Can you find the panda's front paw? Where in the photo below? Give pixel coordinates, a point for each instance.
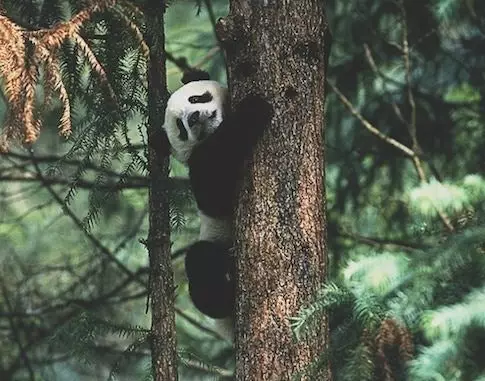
(255, 107)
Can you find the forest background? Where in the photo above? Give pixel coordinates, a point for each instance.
(405, 180)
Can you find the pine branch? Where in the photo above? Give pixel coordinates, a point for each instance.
(41, 47)
(80, 183)
(95, 64)
(79, 224)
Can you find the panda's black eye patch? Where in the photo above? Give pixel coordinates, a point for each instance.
(204, 98)
(193, 118)
(182, 131)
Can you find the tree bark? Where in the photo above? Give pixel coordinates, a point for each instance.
(279, 49)
(163, 334)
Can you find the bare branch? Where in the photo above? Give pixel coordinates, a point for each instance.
(412, 123)
(213, 20)
(382, 242)
(393, 142)
(79, 183)
(378, 72)
(407, 66)
(369, 126)
(182, 64)
(200, 326)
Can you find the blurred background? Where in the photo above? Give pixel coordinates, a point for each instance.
(406, 233)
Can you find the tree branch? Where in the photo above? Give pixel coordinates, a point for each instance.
(393, 142)
(80, 225)
(376, 241)
(369, 126)
(79, 183)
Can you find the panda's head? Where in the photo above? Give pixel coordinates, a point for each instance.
(193, 112)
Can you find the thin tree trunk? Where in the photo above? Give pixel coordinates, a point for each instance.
(279, 48)
(163, 335)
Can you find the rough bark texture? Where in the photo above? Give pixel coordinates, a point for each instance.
(279, 49)
(163, 335)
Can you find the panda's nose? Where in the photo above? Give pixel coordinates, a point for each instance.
(193, 118)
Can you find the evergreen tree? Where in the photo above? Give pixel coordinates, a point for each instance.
(405, 193)
(404, 185)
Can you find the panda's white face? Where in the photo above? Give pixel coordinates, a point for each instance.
(193, 112)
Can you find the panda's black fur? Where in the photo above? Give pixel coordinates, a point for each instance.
(216, 164)
(214, 144)
(210, 271)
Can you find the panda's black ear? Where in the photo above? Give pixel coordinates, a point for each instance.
(194, 75)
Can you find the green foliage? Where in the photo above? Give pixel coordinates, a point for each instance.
(78, 337)
(73, 240)
(456, 334)
(331, 295)
(391, 254)
(426, 200)
(396, 271)
(438, 294)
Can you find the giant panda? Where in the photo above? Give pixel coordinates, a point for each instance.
(214, 143)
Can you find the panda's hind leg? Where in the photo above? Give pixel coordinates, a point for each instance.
(210, 272)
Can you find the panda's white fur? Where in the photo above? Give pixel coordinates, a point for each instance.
(215, 229)
(178, 107)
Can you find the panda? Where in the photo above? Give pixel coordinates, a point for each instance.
(214, 143)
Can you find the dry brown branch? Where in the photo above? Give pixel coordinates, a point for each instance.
(134, 28)
(94, 63)
(12, 70)
(12, 50)
(53, 82)
(24, 52)
(392, 338)
(52, 38)
(31, 124)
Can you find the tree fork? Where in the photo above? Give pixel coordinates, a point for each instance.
(279, 49)
(162, 296)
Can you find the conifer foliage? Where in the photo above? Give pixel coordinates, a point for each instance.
(26, 51)
(405, 186)
(406, 192)
(81, 67)
(54, 59)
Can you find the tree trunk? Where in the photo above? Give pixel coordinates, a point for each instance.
(279, 49)
(163, 335)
